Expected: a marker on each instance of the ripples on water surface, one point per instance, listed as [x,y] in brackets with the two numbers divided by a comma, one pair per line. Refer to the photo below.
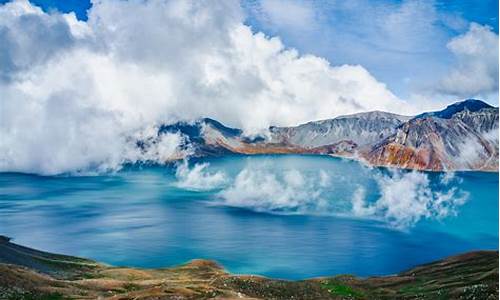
[281,216]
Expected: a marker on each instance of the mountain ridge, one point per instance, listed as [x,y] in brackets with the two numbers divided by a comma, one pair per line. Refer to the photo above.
[462,136]
[472,105]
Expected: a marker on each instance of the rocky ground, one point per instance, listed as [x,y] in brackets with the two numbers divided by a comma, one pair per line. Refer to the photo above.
[30,274]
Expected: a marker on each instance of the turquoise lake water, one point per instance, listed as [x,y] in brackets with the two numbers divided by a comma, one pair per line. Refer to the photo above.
[281,216]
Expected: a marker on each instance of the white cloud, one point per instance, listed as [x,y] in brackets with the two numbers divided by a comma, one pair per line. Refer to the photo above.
[198,177]
[289,14]
[29,37]
[476,69]
[400,199]
[476,150]
[407,197]
[264,190]
[157,148]
[73,93]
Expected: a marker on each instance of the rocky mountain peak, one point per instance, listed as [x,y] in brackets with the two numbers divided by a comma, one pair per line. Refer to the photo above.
[471,105]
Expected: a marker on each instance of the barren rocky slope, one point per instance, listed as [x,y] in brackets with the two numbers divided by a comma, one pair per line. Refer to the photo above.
[463,136]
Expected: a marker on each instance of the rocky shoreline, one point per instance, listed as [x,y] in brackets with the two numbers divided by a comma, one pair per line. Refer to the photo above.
[27,273]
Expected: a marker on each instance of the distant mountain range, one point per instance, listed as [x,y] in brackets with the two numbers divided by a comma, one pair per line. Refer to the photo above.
[463,136]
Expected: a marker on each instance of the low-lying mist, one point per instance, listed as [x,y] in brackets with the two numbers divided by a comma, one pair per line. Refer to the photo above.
[399,199]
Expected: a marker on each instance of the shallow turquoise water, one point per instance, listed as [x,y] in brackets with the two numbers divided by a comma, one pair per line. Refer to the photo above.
[280,216]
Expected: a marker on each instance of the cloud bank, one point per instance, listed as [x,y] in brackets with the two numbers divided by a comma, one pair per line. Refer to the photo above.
[74,93]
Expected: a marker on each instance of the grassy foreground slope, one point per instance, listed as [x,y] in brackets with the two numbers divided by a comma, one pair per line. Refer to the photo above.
[31,274]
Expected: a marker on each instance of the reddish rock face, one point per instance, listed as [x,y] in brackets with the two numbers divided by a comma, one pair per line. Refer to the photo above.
[463,142]
[397,155]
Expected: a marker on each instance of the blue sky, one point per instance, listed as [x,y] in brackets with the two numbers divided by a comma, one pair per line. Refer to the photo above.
[483,12]
[409,56]
[80,7]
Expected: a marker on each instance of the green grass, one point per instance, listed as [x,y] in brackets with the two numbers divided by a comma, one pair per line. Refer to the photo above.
[90,275]
[337,288]
[413,289]
[419,288]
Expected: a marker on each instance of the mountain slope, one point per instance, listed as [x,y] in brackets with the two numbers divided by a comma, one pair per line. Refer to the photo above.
[339,136]
[361,128]
[463,136]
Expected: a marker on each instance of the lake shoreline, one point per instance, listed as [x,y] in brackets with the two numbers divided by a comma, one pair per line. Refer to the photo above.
[31,274]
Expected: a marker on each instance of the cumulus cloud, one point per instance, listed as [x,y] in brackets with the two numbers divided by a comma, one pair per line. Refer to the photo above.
[476,69]
[408,197]
[74,92]
[30,38]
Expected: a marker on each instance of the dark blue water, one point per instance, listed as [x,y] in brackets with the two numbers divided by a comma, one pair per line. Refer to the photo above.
[280,216]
